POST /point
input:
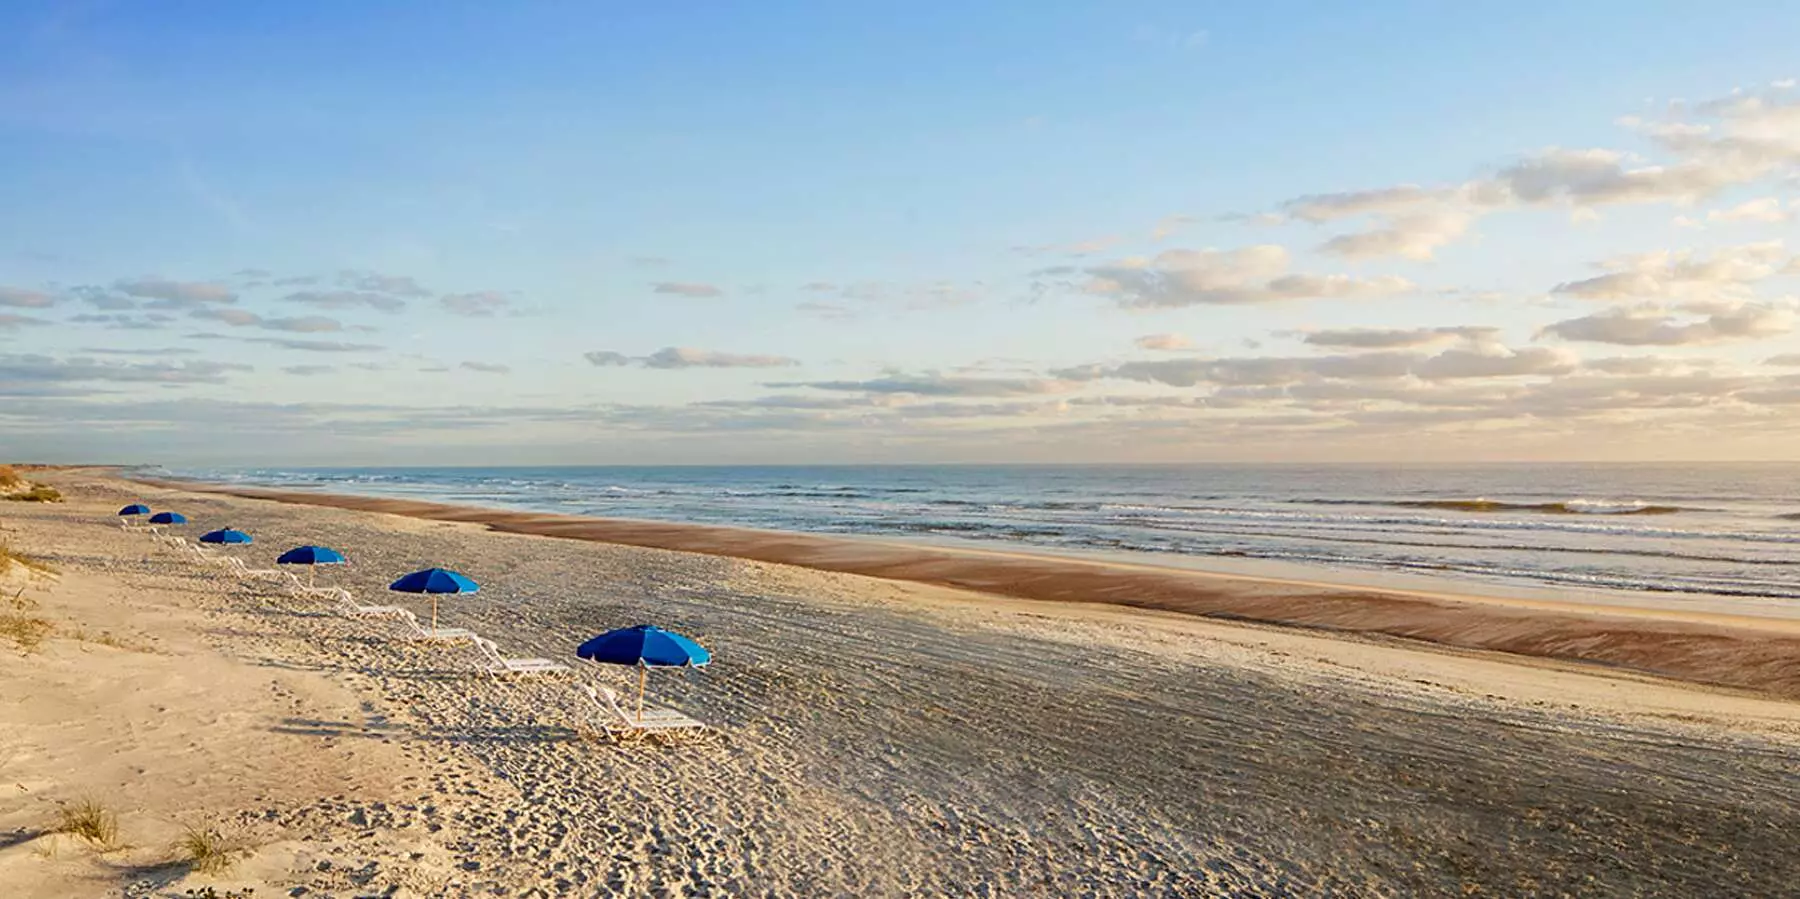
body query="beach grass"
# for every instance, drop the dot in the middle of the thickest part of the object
(26, 631)
(204, 849)
(10, 557)
(90, 821)
(39, 493)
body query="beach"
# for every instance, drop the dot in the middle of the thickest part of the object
(889, 721)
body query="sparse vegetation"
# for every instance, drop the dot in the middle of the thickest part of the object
(9, 477)
(10, 557)
(90, 821)
(39, 493)
(204, 849)
(28, 631)
(108, 638)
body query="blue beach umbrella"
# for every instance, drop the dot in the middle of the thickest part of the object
(134, 509)
(434, 581)
(225, 535)
(168, 518)
(311, 556)
(645, 646)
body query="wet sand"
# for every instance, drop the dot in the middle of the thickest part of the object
(875, 738)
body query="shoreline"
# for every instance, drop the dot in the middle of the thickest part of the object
(874, 737)
(1709, 648)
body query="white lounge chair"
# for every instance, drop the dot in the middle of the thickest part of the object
(616, 720)
(298, 587)
(346, 604)
(236, 566)
(495, 663)
(441, 634)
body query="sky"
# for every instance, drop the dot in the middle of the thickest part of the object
(604, 233)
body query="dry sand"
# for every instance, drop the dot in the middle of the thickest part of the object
(878, 737)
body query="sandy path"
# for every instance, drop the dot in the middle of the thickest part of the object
(886, 738)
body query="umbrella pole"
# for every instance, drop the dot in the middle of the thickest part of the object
(434, 614)
(643, 675)
(310, 569)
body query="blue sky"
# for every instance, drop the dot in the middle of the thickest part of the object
(484, 233)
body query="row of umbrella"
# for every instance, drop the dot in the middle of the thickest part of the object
(644, 646)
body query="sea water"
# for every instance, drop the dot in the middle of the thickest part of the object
(1727, 530)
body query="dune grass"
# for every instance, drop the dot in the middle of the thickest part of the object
(9, 477)
(27, 631)
(10, 557)
(39, 493)
(90, 821)
(204, 849)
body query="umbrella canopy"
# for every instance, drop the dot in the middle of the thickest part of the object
(225, 535)
(435, 581)
(168, 518)
(135, 509)
(645, 646)
(311, 555)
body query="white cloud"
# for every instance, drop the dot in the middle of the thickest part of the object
(395, 285)
(687, 289)
(673, 357)
(1412, 236)
(1680, 273)
(1394, 338)
(1764, 210)
(308, 370)
(688, 357)
(481, 304)
(153, 352)
(1163, 342)
(1076, 249)
(11, 321)
(492, 368)
(604, 358)
(1484, 361)
(239, 318)
(149, 321)
(1169, 225)
(1744, 139)
(1656, 326)
(829, 311)
(174, 294)
(293, 343)
(346, 299)
(940, 386)
(41, 368)
(1256, 274)
(1784, 359)
(21, 298)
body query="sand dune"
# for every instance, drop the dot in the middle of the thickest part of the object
(1738, 651)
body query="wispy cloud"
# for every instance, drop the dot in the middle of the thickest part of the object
(177, 293)
(688, 357)
(23, 298)
(482, 304)
(1251, 275)
(687, 289)
(347, 299)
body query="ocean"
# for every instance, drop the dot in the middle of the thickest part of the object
(1725, 530)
